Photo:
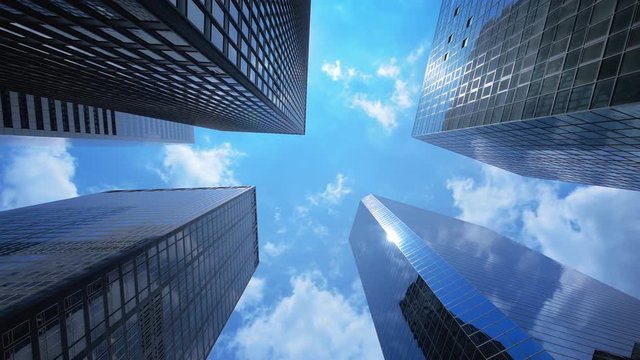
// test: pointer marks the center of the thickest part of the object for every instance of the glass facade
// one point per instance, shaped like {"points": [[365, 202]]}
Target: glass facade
{"points": [[238, 65], [29, 115], [441, 288], [542, 88], [149, 274]]}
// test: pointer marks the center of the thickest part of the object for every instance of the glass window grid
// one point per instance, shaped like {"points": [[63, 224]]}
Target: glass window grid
{"points": [[36, 120], [434, 86], [609, 326], [444, 329], [570, 61], [599, 149], [235, 222], [286, 90]]}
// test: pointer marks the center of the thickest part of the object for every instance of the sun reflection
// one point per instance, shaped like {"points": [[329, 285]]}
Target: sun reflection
{"points": [[393, 237]]}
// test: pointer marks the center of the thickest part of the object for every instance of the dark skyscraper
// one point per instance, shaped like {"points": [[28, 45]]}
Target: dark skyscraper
{"points": [[29, 115], [236, 65], [150, 274], [546, 89], [442, 288]]}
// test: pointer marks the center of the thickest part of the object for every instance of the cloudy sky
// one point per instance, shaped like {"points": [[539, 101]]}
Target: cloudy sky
{"points": [[305, 300]]}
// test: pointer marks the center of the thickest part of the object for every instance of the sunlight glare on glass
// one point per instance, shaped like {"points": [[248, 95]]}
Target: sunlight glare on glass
{"points": [[393, 237]]}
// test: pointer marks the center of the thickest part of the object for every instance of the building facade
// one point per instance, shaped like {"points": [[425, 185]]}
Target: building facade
{"points": [[541, 88], [28, 115], [441, 288], [235, 65], [150, 274]]}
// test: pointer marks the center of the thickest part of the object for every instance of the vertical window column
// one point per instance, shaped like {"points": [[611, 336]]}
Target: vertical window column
{"points": [[87, 121], [114, 131], [31, 111], [53, 118], [76, 118], [37, 102], [65, 116], [6, 109], [96, 120], [105, 122], [24, 114]]}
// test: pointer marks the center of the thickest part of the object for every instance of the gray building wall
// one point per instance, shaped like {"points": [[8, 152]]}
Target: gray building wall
{"points": [[29, 115]]}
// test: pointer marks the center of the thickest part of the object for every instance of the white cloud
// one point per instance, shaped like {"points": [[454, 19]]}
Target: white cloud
{"points": [[320, 230], [303, 217], [305, 222], [386, 111], [252, 295], [314, 322], [497, 202], [271, 250], [38, 171], [402, 94], [390, 70], [592, 229], [333, 70], [301, 211], [384, 114], [381, 104], [277, 217], [415, 54], [186, 166], [333, 193], [336, 72]]}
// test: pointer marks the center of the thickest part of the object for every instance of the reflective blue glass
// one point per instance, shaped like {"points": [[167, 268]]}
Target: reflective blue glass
{"points": [[541, 88], [149, 274], [441, 288]]}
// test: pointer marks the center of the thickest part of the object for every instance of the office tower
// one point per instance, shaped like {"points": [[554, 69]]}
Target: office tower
{"points": [[28, 115], [442, 288], [150, 274], [541, 88], [236, 65]]}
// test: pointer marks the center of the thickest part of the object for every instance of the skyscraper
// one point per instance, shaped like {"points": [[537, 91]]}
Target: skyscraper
{"points": [[541, 88], [235, 65], [29, 115], [442, 288], [148, 274]]}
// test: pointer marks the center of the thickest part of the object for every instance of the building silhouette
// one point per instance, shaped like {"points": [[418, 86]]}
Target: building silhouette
{"points": [[235, 65], [545, 89], [29, 115], [150, 274], [442, 288]]}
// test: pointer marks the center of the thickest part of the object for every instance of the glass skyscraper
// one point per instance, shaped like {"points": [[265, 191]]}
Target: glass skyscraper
{"points": [[542, 88], [237, 65], [29, 115], [150, 274], [442, 288]]}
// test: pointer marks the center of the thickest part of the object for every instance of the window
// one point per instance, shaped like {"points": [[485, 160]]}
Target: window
{"points": [[217, 38], [450, 38], [464, 43], [456, 11], [195, 15], [469, 21]]}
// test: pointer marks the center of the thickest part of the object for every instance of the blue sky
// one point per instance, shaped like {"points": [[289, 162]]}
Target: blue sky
{"points": [[365, 69]]}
